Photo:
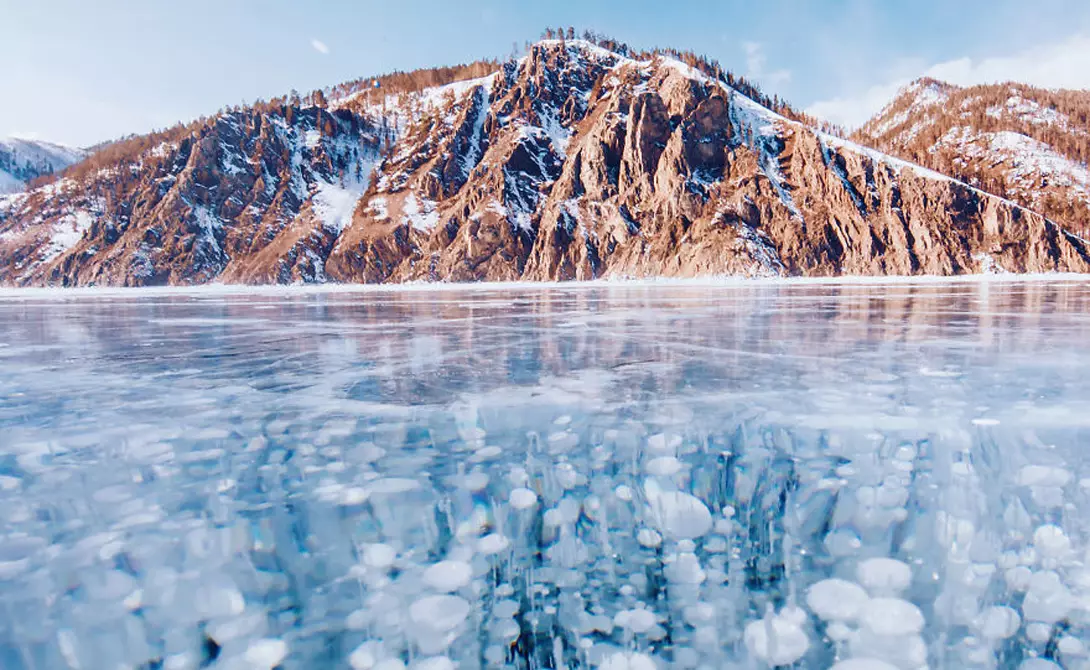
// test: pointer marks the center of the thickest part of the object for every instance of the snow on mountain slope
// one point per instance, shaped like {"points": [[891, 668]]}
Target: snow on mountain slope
{"points": [[23, 160], [1027, 144], [573, 162], [596, 164]]}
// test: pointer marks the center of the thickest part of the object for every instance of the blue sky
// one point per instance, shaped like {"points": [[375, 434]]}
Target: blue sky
{"points": [[78, 72]]}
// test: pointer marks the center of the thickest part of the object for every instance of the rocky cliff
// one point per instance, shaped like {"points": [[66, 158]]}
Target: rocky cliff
{"points": [[1027, 144], [573, 162]]}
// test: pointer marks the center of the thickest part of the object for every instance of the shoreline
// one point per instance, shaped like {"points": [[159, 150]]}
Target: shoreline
{"points": [[725, 281]]}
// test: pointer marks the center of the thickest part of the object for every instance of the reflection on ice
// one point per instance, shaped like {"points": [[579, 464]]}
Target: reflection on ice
{"points": [[629, 478]]}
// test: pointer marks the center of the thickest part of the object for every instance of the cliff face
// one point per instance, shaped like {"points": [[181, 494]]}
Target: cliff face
{"points": [[1027, 144], [573, 163], [580, 163], [247, 196]]}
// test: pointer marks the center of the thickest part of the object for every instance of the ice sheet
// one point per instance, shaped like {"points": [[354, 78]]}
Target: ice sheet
{"points": [[673, 475]]}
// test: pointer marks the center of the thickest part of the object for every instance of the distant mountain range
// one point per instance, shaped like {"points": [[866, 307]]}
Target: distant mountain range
{"points": [[23, 161], [582, 159]]}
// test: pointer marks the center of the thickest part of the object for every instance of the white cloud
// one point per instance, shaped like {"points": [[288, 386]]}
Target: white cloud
{"points": [[1063, 64], [320, 46], [756, 62]]}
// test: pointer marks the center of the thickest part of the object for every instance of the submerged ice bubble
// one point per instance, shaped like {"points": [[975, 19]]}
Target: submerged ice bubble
{"points": [[677, 514], [440, 613], [448, 575], [836, 599], [776, 639], [884, 576], [891, 617]]}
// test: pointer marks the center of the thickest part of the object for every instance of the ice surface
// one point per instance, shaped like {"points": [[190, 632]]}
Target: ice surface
{"points": [[693, 476]]}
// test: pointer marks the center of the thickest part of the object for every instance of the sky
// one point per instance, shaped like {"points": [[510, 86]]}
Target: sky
{"points": [[81, 72]]}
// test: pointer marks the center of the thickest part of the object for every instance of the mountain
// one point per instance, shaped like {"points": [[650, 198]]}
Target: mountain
{"points": [[22, 161], [1027, 144], [573, 162]]}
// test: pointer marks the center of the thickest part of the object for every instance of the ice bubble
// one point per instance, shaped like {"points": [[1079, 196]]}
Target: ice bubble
{"points": [[628, 661], [699, 613], [1038, 632], [636, 620], [487, 453], [353, 495], [567, 476], [776, 640], [474, 481], [246, 625], [884, 576], [838, 631], [678, 514], [1047, 599], [906, 452], [393, 485], [523, 498], [266, 653], [109, 585], [1051, 541], [363, 657], [1043, 475], [379, 556], [664, 466], [648, 538], [905, 651], [439, 613], [562, 442], [863, 664], [836, 599], [842, 542], [492, 543], [218, 601], [891, 616], [685, 569], [624, 493], [434, 663], [1018, 578], [1071, 646], [448, 576], [997, 623], [505, 608], [661, 442]]}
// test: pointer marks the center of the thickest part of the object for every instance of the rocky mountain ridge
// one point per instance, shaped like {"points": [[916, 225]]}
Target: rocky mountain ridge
{"points": [[574, 162], [1028, 144]]}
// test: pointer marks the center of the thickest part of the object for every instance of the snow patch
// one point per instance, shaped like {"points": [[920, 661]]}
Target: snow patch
{"points": [[420, 213], [66, 233]]}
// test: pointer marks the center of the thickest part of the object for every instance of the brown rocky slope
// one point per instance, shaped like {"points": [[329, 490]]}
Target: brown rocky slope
{"points": [[573, 163], [1028, 144]]}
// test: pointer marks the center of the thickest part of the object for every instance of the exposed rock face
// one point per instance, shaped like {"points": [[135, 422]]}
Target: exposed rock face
{"points": [[248, 197], [1027, 144], [573, 163]]}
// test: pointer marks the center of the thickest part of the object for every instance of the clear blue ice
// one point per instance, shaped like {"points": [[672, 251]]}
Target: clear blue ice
{"points": [[633, 477]]}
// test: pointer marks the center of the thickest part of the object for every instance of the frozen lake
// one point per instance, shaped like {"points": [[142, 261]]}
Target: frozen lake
{"points": [[628, 477]]}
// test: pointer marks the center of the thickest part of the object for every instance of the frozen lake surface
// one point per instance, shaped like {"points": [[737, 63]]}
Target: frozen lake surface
{"points": [[859, 476]]}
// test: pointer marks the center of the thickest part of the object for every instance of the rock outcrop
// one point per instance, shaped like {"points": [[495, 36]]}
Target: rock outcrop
{"points": [[571, 163]]}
